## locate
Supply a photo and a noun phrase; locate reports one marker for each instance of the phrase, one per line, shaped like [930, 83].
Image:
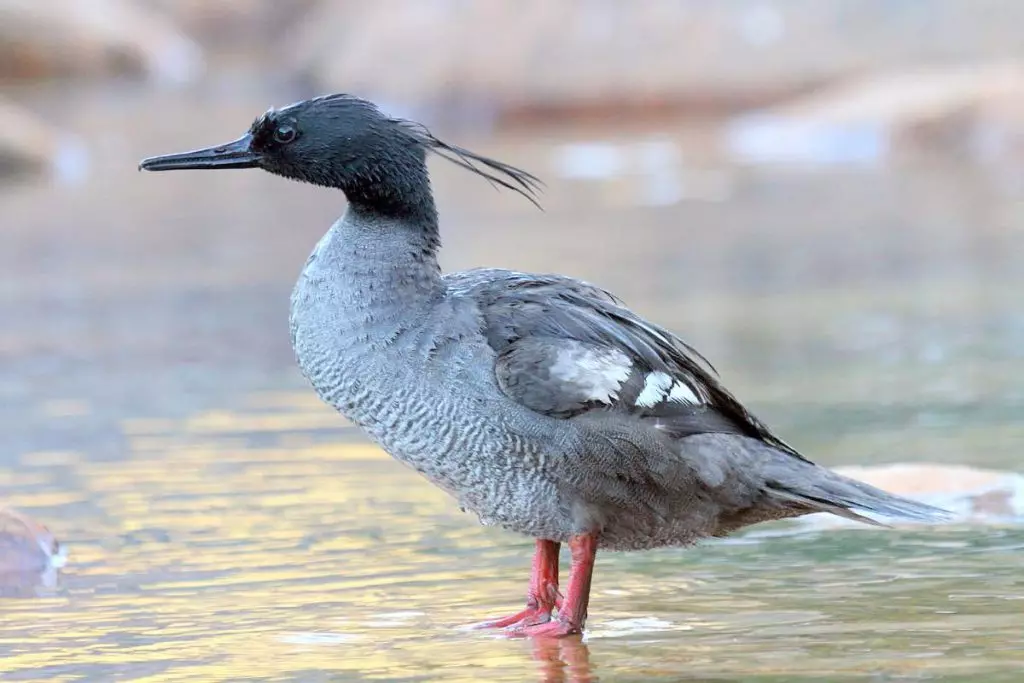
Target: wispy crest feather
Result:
[495, 172]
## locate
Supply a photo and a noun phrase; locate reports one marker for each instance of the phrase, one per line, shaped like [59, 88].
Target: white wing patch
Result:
[660, 386]
[598, 374]
[656, 384]
[683, 394]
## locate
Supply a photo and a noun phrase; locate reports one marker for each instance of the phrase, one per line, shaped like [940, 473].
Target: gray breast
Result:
[449, 422]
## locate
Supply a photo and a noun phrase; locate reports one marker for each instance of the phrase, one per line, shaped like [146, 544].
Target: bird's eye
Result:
[284, 134]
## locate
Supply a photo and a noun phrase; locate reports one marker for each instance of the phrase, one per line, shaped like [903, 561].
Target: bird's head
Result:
[344, 142]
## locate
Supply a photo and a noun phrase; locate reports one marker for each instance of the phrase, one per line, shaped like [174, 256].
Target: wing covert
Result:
[566, 347]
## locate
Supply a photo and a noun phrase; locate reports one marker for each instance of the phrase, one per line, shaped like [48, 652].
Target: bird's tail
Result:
[821, 490]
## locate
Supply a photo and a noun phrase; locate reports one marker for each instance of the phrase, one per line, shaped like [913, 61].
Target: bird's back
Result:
[655, 450]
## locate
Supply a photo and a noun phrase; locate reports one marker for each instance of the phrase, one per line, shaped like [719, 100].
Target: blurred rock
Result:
[577, 54]
[29, 555]
[971, 493]
[26, 144]
[648, 171]
[998, 136]
[73, 38]
[873, 118]
[768, 138]
[237, 26]
[29, 147]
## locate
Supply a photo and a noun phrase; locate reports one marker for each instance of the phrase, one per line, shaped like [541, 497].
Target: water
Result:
[222, 525]
[218, 554]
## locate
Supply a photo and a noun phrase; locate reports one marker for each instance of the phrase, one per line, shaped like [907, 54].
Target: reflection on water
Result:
[206, 556]
[221, 524]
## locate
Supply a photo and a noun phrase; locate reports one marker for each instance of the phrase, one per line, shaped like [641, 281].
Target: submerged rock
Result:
[29, 555]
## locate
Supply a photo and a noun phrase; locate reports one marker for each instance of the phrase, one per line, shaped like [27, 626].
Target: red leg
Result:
[543, 595]
[573, 612]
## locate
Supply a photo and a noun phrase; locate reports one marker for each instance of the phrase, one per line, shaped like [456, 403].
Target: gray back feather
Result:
[549, 309]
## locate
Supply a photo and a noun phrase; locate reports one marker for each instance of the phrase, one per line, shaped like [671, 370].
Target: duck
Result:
[540, 402]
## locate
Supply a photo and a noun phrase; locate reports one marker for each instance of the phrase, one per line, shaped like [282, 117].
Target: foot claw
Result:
[543, 597]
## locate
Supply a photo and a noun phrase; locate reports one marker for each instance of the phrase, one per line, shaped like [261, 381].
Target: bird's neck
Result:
[391, 184]
[371, 277]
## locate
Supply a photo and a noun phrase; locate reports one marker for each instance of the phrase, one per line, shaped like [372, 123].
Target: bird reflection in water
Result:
[563, 660]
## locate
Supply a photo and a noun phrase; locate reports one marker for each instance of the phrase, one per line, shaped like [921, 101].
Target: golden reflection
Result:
[201, 557]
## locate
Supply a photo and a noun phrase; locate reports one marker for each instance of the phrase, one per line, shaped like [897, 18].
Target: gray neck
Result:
[368, 279]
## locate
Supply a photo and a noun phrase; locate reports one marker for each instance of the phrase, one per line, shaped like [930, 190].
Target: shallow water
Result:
[222, 525]
[211, 554]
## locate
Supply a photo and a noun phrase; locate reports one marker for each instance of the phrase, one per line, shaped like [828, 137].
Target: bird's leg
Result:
[543, 595]
[572, 613]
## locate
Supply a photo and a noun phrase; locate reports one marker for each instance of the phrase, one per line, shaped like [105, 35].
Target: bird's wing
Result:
[566, 349]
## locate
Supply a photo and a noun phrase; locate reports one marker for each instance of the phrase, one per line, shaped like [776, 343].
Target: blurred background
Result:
[824, 196]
